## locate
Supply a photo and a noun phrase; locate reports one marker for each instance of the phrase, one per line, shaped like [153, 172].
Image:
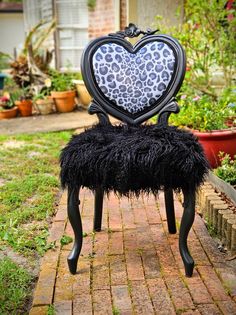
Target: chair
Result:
[133, 83]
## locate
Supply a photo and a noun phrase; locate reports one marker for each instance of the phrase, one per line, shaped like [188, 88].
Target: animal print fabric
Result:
[133, 81]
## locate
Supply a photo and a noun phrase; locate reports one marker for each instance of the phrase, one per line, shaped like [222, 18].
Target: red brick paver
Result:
[133, 265]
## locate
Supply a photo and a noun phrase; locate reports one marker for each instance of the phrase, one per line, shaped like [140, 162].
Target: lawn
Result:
[29, 190]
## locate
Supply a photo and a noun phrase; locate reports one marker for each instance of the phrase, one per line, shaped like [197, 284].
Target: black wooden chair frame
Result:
[163, 107]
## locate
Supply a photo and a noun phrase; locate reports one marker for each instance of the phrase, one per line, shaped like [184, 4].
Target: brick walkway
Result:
[133, 266]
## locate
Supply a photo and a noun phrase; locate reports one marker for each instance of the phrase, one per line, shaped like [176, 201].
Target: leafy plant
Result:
[51, 310]
[66, 240]
[26, 94]
[6, 103]
[227, 168]
[45, 92]
[32, 64]
[91, 4]
[201, 112]
[208, 37]
[4, 60]
[62, 81]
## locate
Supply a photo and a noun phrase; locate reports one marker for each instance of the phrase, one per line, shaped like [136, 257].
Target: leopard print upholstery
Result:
[133, 81]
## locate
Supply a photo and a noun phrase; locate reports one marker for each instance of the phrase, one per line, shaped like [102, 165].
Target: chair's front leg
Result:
[98, 204]
[186, 224]
[170, 210]
[75, 221]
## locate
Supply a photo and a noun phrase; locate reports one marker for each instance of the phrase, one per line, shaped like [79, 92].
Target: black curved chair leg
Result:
[98, 204]
[170, 210]
[75, 221]
[186, 224]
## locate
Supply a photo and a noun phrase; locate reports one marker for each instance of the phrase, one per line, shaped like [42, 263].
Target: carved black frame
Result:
[118, 38]
[164, 108]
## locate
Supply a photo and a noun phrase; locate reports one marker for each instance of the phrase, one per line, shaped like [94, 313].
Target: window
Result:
[72, 32]
[72, 28]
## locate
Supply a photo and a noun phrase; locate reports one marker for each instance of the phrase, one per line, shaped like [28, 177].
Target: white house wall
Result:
[11, 32]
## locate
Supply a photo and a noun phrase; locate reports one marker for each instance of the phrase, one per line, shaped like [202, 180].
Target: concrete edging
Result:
[222, 186]
[218, 215]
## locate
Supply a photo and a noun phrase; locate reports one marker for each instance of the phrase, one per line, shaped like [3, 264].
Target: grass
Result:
[211, 230]
[14, 287]
[29, 180]
[29, 170]
[51, 310]
[115, 310]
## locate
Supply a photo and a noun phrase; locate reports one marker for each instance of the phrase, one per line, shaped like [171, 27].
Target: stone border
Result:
[218, 215]
[223, 186]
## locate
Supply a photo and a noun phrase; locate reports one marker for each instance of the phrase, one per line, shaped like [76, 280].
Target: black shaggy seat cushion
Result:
[133, 159]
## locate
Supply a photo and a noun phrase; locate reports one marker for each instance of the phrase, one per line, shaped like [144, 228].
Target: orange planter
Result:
[25, 107]
[8, 113]
[64, 101]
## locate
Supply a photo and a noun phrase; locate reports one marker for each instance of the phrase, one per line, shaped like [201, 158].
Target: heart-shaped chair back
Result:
[133, 83]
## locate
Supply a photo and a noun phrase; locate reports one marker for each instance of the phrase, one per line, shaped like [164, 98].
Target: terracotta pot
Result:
[25, 107]
[84, 96]
[64, 101]
[45, 106]
[9, 113]
[215, 141]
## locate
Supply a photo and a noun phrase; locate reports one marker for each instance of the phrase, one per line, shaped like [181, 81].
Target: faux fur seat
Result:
[132, 159]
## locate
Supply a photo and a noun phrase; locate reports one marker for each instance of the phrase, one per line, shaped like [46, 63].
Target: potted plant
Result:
[208, 121]
[30, 67]
[24, 102]
[63, 91]
[208, 36]
[83, 94]
[7, 107]
[44, 103]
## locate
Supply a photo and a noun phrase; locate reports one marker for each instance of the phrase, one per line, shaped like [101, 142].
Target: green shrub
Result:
[227, 168]
[63, 81]
[208, 37]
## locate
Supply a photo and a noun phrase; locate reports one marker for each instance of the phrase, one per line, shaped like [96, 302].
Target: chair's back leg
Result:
[75, 221]
[170, 210]
[98, 204]
[186, 224]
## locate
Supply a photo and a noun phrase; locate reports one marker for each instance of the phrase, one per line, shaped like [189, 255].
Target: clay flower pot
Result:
[84, 96]
[9, 113]
[64, 101]
[25, 107]
[215, 141]
[45, 106]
